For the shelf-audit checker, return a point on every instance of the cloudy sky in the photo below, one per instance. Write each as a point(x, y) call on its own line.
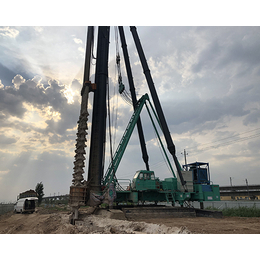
point(207, 80)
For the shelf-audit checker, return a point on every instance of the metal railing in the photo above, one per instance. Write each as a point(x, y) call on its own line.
point(224, 204)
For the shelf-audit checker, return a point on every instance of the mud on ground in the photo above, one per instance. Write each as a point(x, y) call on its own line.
point(51, 221)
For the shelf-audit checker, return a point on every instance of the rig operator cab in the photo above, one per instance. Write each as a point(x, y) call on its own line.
point(145, 180)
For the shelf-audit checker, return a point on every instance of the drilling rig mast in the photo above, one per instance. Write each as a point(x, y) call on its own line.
point(191, 185)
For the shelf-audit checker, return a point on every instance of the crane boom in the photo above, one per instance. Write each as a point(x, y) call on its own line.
point(133, 95)
point(116, 159)
point(165, 129)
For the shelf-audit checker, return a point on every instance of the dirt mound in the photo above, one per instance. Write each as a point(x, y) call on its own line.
point(45, 222)
point(103, 225)
point(56, 221)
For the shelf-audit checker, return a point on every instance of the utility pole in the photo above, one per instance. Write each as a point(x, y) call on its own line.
point(230, 181)
point(185, 158)
point(247, 188)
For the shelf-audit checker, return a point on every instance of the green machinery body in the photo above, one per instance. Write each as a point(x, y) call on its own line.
point(146, 187)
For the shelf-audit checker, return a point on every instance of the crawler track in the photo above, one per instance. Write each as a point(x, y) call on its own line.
point(168, 212)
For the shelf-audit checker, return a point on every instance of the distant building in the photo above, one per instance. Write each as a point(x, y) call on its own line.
point(239, 198)
point(242, 192)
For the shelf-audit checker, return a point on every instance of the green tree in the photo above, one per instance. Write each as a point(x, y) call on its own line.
point(39, 190)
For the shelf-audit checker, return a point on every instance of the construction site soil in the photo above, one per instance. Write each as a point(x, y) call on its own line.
point(56, 221)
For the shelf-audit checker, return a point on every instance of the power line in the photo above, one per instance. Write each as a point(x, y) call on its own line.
point(232, 141)
point(161, 162)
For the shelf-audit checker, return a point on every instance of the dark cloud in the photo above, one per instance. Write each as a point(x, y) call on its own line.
point(32, 92)
point(192, 111)
point(207, 57)
point(69, 117)
point(252, 118)
point(6, 75)
point(229, 49)
point(6, 140)
point(12, 63)
point(190, 114)
point(76, 85)
point(10, 103)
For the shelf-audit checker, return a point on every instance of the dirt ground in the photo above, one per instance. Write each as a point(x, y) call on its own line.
point(203, 225)
point(48, 221)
